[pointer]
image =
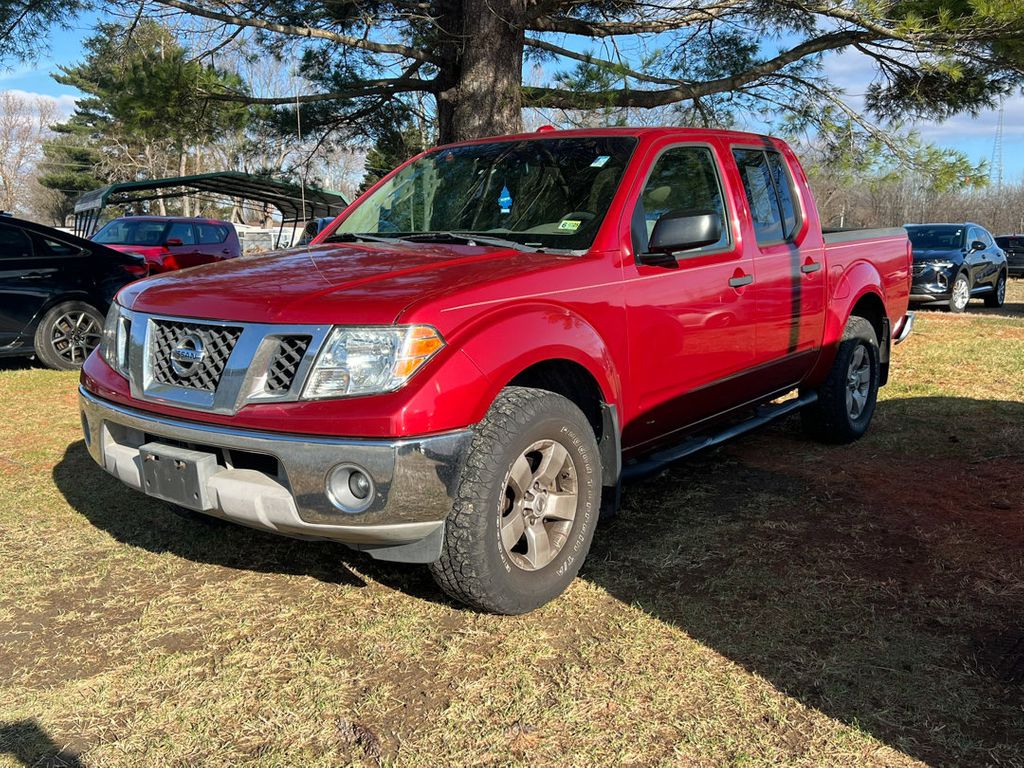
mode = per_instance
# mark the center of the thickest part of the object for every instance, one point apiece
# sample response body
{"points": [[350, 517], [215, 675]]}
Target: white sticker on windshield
{"points": [[569, 225], [600, 161]]}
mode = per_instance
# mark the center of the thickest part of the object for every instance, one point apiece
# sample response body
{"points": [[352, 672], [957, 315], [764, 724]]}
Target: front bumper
{"points": [[277, 482], [931, 283]]}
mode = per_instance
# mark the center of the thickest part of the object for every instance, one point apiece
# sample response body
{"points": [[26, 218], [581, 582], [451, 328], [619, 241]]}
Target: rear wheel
{"points": [[67, 334], [998, 296], [527, 505], [961, 294], [846, 401]]}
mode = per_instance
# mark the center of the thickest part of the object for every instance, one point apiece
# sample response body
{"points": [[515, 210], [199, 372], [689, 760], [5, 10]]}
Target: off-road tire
{"points": [[43, 343], [998, 295], [829, 419], [474, 567], [953, 305]]}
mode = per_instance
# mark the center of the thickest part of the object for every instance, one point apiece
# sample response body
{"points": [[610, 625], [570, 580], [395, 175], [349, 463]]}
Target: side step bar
{"points": [[656, 461]]}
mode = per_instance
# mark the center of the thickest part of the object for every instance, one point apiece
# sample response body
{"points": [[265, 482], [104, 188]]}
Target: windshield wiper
{"points": [[470, 239], [355, 237]]}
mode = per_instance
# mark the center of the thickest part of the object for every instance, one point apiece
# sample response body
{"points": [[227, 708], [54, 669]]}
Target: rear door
{"points": [[214, 241], [788, 260], [23, 283], [691, 322]]}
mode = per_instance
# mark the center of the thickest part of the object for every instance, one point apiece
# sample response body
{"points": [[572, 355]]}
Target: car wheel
{"points": [[527, 505], [998, 296], [67, 334], [846, 401], [961, 294]]}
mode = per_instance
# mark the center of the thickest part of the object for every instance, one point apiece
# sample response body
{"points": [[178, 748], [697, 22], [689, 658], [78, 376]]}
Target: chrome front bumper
{"points": [[904, 328], [277, 482]]}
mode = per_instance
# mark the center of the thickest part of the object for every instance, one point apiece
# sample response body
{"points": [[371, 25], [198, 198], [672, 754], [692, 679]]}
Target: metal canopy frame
{"points": [[294, 202]]}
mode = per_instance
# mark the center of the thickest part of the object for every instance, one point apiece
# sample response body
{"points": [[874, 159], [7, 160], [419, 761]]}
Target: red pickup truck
{"points": [[462, 368]]}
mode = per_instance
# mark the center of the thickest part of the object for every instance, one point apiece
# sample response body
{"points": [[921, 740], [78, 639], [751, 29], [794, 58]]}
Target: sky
{"points": [[849, 70]]}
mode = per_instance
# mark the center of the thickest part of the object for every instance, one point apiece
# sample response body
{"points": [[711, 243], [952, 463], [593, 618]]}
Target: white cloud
{"points": [[65, 102]]}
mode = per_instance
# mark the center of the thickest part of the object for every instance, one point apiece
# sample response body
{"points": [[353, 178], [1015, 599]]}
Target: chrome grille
{"points": [[217, 342], [285, 363]]}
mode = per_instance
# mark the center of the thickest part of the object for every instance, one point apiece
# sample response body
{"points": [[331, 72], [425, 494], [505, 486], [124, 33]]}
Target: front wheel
{"points": [[998, 296], [67, 334], [527, 505], [961, 294], [846, 401]]}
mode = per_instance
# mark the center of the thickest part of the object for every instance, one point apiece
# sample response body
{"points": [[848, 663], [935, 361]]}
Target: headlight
{"points": [[370, 360], [114, 343]]}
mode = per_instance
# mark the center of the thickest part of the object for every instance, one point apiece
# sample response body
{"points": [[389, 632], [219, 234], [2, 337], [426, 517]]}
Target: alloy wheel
{"points": [[75, 334], [538, 505], [961, 293], [858, 382]]}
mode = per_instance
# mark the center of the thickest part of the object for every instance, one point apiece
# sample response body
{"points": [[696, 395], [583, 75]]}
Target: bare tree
{"points": [[24, 124]]}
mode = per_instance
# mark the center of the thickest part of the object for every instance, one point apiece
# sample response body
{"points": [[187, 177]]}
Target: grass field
{"points": [[770, 602]]}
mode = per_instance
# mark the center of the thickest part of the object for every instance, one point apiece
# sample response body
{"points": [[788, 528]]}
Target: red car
{"points": [[171, 243], [462, 368]]}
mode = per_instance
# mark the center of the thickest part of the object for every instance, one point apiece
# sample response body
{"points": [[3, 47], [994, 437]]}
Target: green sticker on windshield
{"points": [[569, 225]]}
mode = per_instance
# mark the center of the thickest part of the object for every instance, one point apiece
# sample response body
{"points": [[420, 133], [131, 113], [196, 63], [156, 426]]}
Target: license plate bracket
{"points": [[178, 475]]}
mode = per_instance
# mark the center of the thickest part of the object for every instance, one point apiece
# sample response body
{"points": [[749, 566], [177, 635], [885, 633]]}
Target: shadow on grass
{"points": [[135, 519], [28, 743], [881, 583]]}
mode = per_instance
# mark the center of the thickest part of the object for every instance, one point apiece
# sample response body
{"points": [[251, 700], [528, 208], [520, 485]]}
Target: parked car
{"points": [[1013, 247], [461, 369], [954, 263], [170, 243], [55, 289]]}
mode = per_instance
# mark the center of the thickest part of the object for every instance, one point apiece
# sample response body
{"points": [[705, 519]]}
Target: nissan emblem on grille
{"points": [[188, 355]]}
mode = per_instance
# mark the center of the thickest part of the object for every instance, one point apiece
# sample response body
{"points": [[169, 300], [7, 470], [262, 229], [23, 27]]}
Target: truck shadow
{"points": [[879, 583], [30, 745]]}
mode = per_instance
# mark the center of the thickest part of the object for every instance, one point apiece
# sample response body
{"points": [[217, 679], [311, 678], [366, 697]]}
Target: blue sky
{"points": [[849, 70]]}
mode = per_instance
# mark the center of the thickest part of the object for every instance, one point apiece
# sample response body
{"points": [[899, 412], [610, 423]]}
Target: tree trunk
{"points": [[481, 75]]}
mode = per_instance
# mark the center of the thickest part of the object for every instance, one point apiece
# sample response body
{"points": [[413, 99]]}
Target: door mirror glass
{"points": [[977, 245], [172, 241], [682, 230]]}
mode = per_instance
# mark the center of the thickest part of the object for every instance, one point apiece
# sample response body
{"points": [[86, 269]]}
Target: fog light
{"points": [[350, 488]]}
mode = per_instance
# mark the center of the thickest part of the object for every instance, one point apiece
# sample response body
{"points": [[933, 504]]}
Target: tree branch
{"points": [[297, 31], [383, 87], [571, 26]]}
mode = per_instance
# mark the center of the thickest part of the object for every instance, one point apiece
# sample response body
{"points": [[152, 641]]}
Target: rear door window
{"points": [[212, 233], [769, 192], [14, 244]]}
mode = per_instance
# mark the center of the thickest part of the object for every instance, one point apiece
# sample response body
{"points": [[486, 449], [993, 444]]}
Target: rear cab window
{"points": [[769, 193]]}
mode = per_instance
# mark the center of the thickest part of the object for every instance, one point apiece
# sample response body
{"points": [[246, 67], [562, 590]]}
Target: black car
{"points": [[1013, 247], [954, 263], [55, 289]]}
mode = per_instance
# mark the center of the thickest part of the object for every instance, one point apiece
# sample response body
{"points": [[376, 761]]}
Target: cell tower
{"points": [[996, 173]]}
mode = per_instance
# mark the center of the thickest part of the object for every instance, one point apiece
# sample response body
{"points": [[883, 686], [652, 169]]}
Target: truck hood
{"points": [[326, 284]]}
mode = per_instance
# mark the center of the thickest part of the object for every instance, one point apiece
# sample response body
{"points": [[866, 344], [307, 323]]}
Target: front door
{"points": [[24, 283], [691, 322]]}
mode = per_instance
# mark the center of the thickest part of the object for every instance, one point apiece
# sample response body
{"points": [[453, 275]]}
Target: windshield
{"points": [[945, 237], [548, 193], [121, 232]]}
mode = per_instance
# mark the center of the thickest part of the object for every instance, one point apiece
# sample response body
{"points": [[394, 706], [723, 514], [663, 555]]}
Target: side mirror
{"points": [[682, 230], [977, 245], [172, 241]]}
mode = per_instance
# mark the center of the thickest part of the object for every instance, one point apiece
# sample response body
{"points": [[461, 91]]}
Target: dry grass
{"points": [[772, 602]]}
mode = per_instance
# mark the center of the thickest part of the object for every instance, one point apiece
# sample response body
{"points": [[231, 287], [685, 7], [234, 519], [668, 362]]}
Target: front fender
{"points": [[505, 343]]}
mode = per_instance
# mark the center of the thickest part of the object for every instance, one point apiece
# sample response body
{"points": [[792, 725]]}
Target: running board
{"points": [[764, 414]]}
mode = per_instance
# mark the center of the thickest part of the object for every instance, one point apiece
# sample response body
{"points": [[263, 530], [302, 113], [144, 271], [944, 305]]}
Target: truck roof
{"points": [[652, 131]]}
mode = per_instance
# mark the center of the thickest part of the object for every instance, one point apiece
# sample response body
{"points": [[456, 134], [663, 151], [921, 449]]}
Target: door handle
{"points": [[34, 276], [739, 282], [812, 266]]}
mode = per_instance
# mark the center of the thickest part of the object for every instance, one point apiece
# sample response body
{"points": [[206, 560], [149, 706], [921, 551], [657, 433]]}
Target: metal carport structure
{"points": [[295, 203]]}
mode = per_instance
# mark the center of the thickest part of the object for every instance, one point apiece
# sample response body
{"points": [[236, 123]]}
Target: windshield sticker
{"points": [[600, 161], [505, 200], [569, 225]]}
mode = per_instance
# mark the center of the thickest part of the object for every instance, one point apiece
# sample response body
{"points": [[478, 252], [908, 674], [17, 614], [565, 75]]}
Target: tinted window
{"points": [[48, 247], [182, 231], [683, 179], [780, 177], [985, 237], [212, 233], [760, 189], [14, 244], [131, 232]]}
